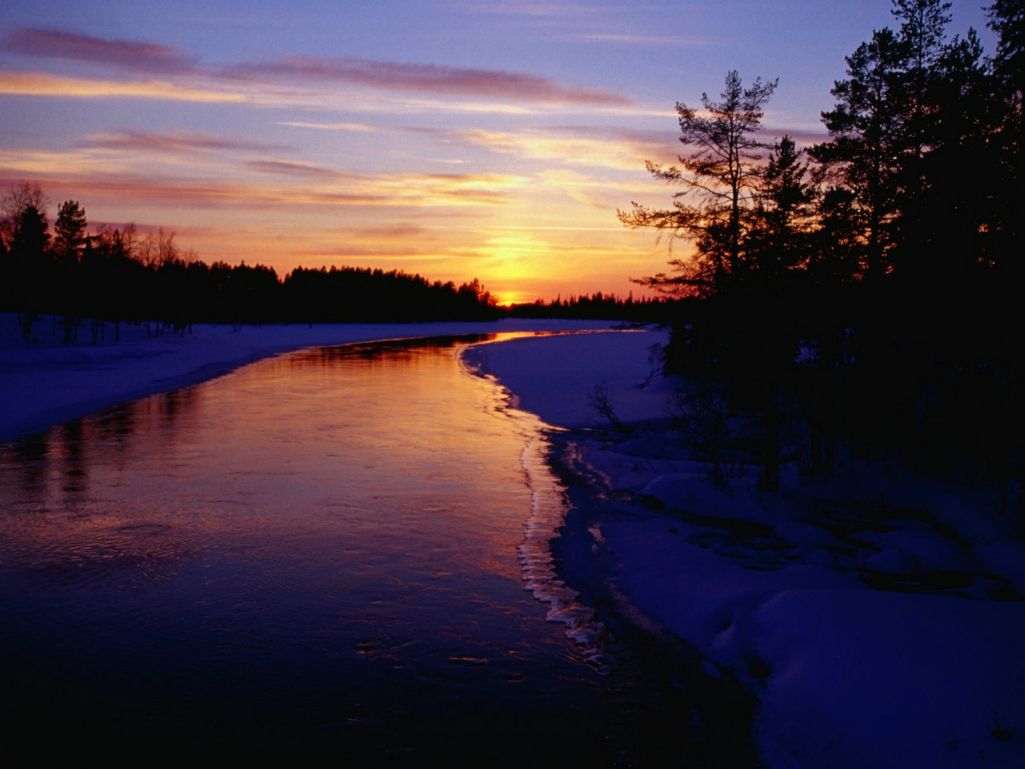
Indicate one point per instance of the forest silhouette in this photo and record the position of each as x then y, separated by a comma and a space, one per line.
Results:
118, 275
863, 293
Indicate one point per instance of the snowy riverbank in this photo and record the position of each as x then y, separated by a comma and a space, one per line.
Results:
44, 381
877, 617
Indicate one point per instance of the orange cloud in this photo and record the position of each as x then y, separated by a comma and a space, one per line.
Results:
39, 84
88, 177
612, 151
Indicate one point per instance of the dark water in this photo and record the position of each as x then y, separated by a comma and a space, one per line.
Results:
316, 560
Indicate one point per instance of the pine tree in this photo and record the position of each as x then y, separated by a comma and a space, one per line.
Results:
69, 231
720, 173
866, 126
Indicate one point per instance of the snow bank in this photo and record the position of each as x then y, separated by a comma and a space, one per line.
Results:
876, 616
557, 382
44, 381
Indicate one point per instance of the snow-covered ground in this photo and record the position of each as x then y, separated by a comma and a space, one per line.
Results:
876, 616
44, 381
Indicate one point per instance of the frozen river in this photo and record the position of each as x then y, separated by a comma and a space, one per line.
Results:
315, 560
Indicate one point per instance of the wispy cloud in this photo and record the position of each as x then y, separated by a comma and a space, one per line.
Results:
602, 194
571, 145
802, 135
296, 169
619, 38
346, 127
427, 78
448, 189
310, 185
39, 84
536, 8
133, 55
184, 78
176, 142
481, 107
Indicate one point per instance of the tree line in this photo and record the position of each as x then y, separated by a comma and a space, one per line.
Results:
602, 306
862, 292
116, 274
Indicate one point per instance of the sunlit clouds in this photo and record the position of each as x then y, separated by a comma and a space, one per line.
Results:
455, 139
355, 127
177, 141
577, 146
427, 78
41, 84
244, 195
250, 80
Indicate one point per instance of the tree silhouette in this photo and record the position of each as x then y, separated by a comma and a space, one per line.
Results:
30, 236
24, 230
1007, 19
69, 231
865, 128
778, 241
720, 174
23, 220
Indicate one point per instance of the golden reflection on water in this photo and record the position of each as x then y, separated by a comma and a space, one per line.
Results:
395, 448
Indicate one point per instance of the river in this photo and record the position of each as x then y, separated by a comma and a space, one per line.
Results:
335, 557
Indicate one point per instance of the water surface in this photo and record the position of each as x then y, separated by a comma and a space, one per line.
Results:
315, 560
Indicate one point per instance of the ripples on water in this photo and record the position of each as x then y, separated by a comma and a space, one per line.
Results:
319, 559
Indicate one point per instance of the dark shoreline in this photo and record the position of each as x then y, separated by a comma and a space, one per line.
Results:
708, 715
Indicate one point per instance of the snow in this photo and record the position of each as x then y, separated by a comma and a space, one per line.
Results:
875, 615
548, 381
45, 381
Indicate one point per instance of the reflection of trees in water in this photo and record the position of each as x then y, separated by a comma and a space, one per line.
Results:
115, 427
171, 405
395, 349
74, 472
29, 457
105, 437
59, 450
403, 349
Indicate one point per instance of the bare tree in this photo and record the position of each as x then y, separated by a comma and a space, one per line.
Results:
13, 205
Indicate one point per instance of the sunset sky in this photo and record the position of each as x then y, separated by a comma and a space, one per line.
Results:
454, 138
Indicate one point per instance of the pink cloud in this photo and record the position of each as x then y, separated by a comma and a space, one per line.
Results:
292, 168
177, 142
130, 54
429, 78
148, 57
